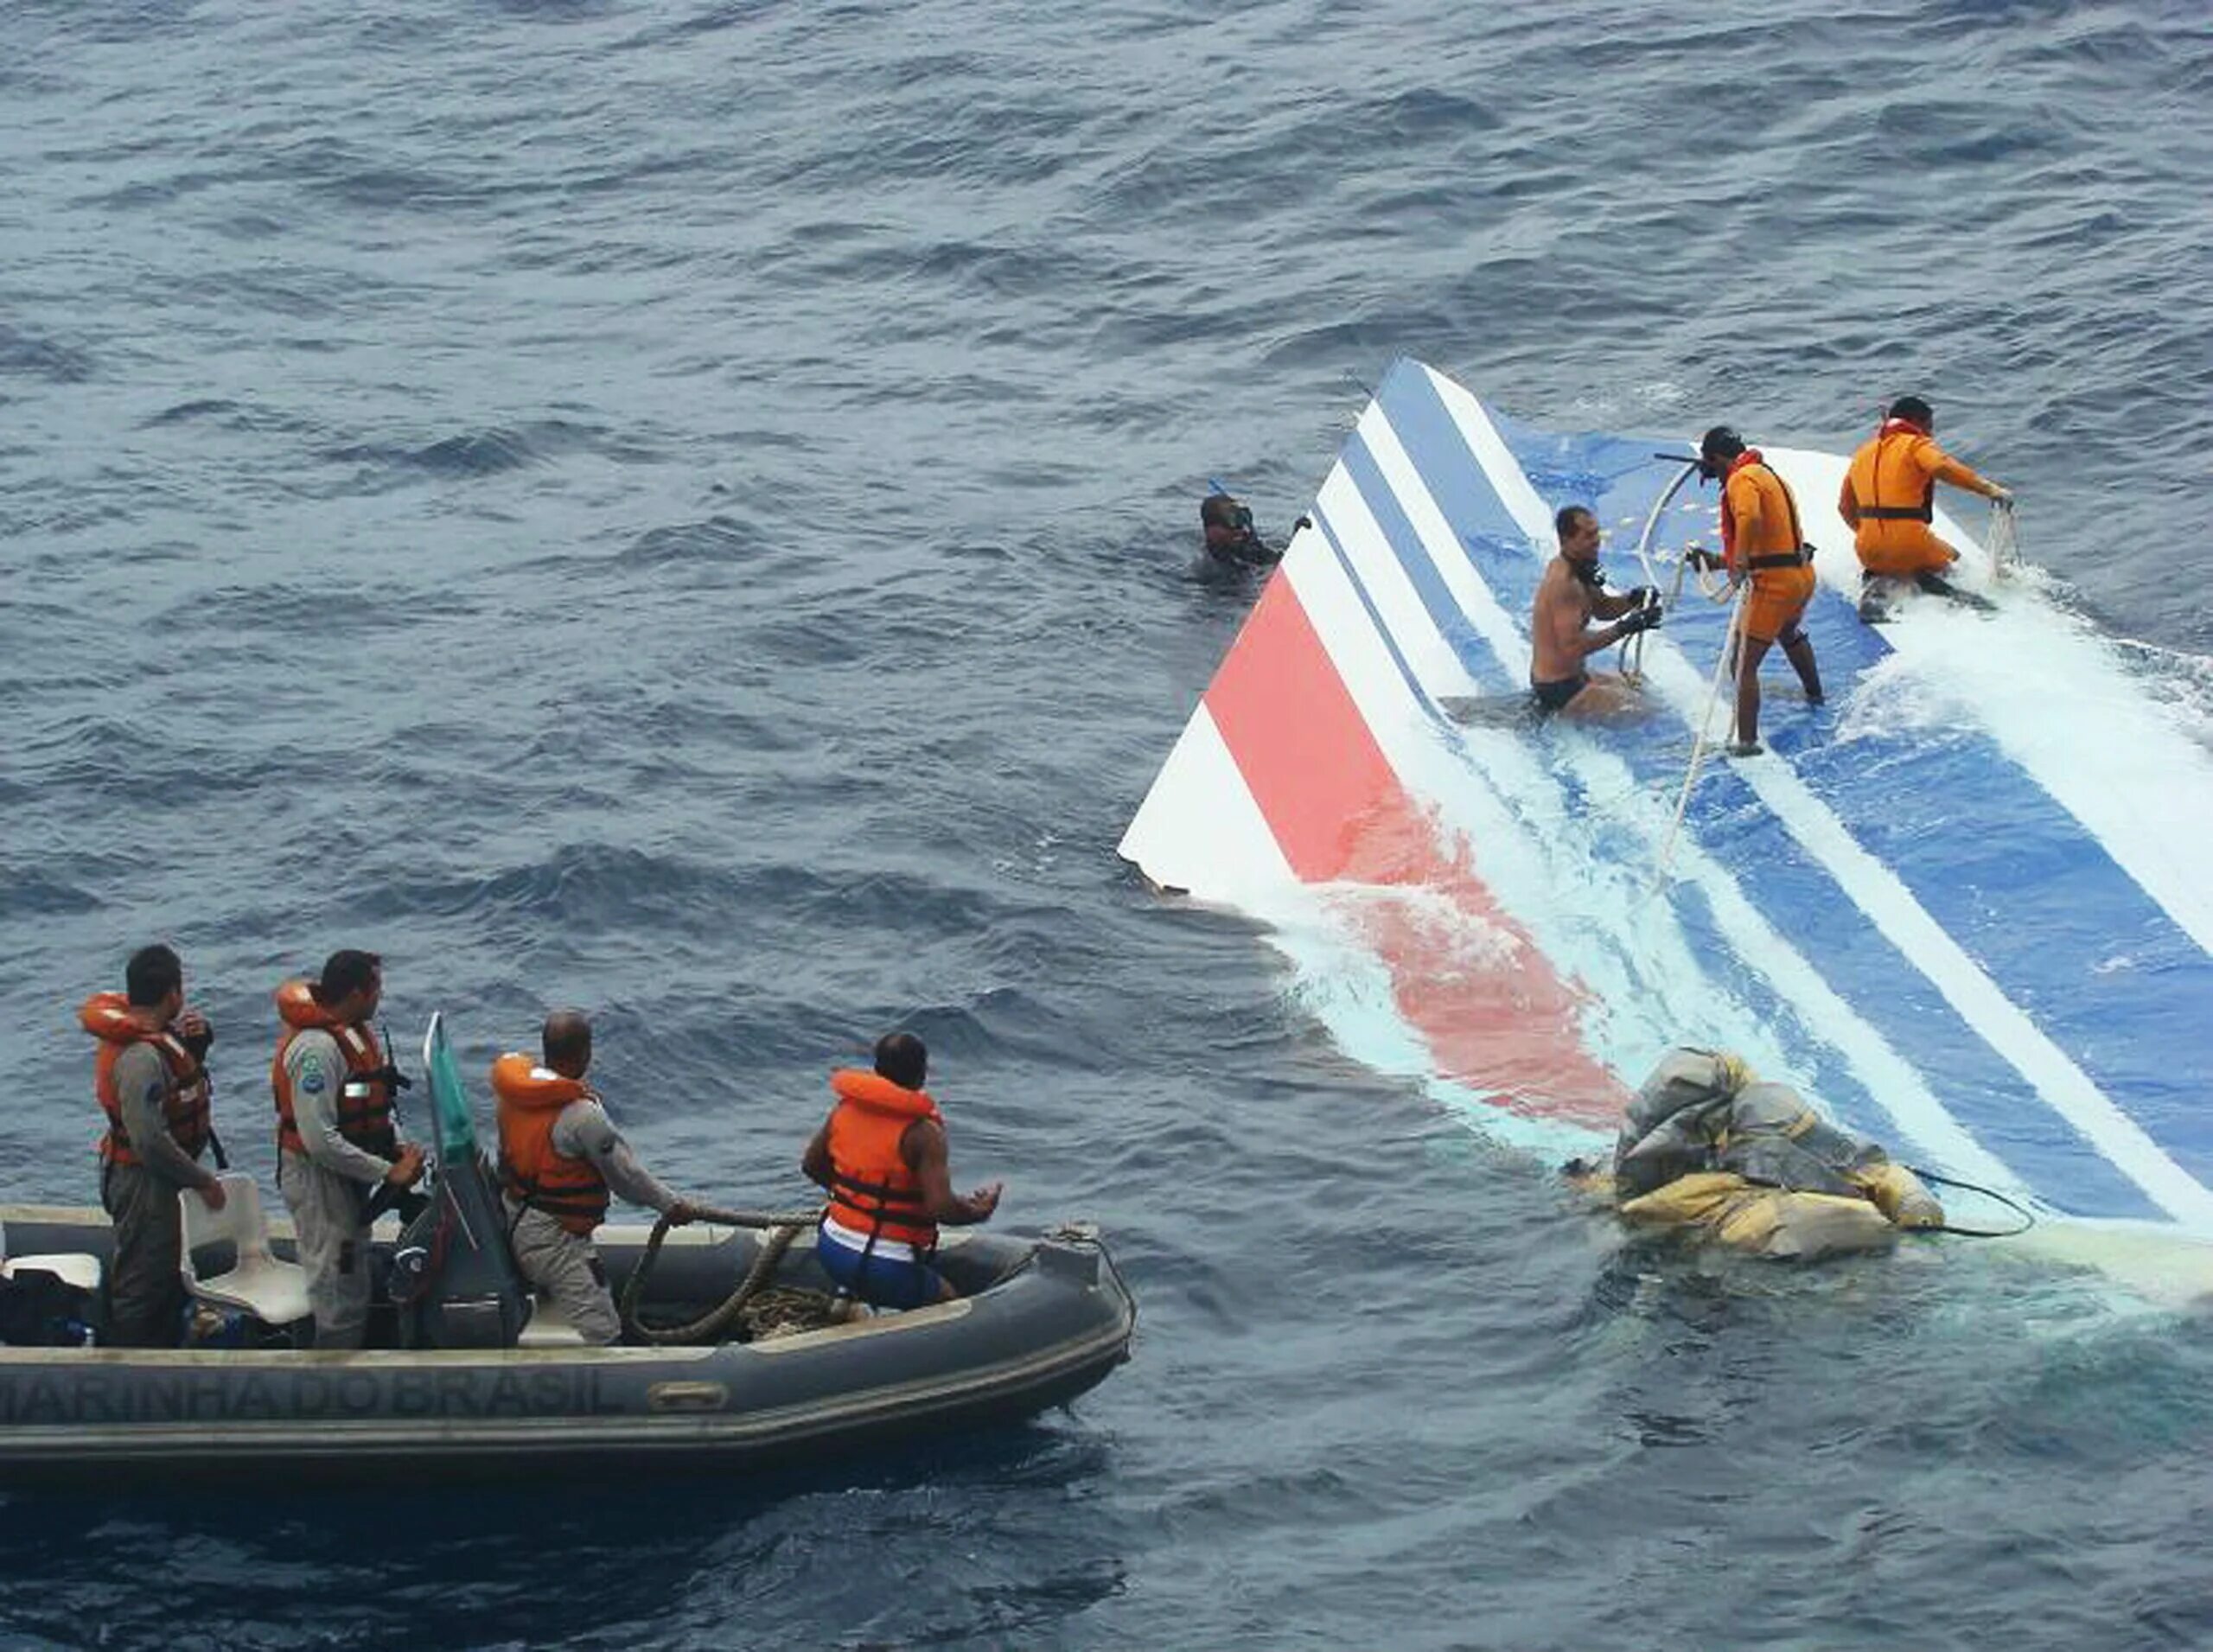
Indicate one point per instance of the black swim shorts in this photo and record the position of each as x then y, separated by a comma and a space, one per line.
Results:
1550, 697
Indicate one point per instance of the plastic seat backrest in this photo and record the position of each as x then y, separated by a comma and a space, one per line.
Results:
240, 1222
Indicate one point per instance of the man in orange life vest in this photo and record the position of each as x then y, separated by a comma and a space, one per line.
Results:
335, 1139
882, 1154
1761, 542
151, 1084
1888, 498
560, 1159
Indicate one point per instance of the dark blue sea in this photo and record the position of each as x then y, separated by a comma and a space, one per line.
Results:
684, 507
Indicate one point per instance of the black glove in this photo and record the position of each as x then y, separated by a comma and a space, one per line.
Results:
394, 1080
1642, 619
1303, 521
1698, 557
1643, 597
196, 1044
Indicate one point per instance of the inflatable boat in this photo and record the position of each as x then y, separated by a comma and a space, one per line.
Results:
1960, 901
465, 1373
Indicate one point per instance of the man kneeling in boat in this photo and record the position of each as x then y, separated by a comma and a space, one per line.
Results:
1571, 595
882, 1154
560, 1158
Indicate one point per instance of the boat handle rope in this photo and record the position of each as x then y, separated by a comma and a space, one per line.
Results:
1086, 1234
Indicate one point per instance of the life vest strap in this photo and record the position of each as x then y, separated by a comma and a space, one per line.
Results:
1897, 514
581, 1203
1802, 553
888, 1197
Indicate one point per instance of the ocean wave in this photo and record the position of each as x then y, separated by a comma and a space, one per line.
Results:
490, 452
31, 356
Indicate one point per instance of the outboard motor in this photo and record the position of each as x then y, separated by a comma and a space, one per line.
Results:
452, 1273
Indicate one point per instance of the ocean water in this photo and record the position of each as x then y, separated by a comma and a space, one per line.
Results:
686, 509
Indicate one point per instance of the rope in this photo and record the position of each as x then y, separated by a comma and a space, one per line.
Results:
1733, 650
1999, 541
2027, 1216
783, 1229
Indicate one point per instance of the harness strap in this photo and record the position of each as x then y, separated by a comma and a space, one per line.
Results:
885, 1196
1789, 504
890, 1202
531, 1192
1797, 556
1924, 512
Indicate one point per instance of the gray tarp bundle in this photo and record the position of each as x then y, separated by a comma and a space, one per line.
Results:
1697, 1112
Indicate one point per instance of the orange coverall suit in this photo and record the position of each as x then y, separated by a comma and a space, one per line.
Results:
1889, 499
1760, 538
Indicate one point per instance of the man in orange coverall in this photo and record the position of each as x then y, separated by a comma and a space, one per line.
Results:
1761, 543
1889, 500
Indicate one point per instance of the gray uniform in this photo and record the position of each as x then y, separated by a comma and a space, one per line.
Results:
145, 1291
563, 1266
327, 1187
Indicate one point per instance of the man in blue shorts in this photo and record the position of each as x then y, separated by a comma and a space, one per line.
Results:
882, 1154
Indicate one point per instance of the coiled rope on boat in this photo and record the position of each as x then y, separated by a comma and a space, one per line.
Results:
783, 1228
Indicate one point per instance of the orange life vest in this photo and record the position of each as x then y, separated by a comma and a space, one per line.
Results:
872, 1190
107, 1016
364, 1112
1781, 545
530, 1097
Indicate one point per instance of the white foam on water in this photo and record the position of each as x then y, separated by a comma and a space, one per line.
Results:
1341, 981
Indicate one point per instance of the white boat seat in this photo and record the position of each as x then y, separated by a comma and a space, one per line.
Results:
79, 1269
272, 1291
548, 1327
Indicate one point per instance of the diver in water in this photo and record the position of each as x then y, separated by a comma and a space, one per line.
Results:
1232, 541
1572, 593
